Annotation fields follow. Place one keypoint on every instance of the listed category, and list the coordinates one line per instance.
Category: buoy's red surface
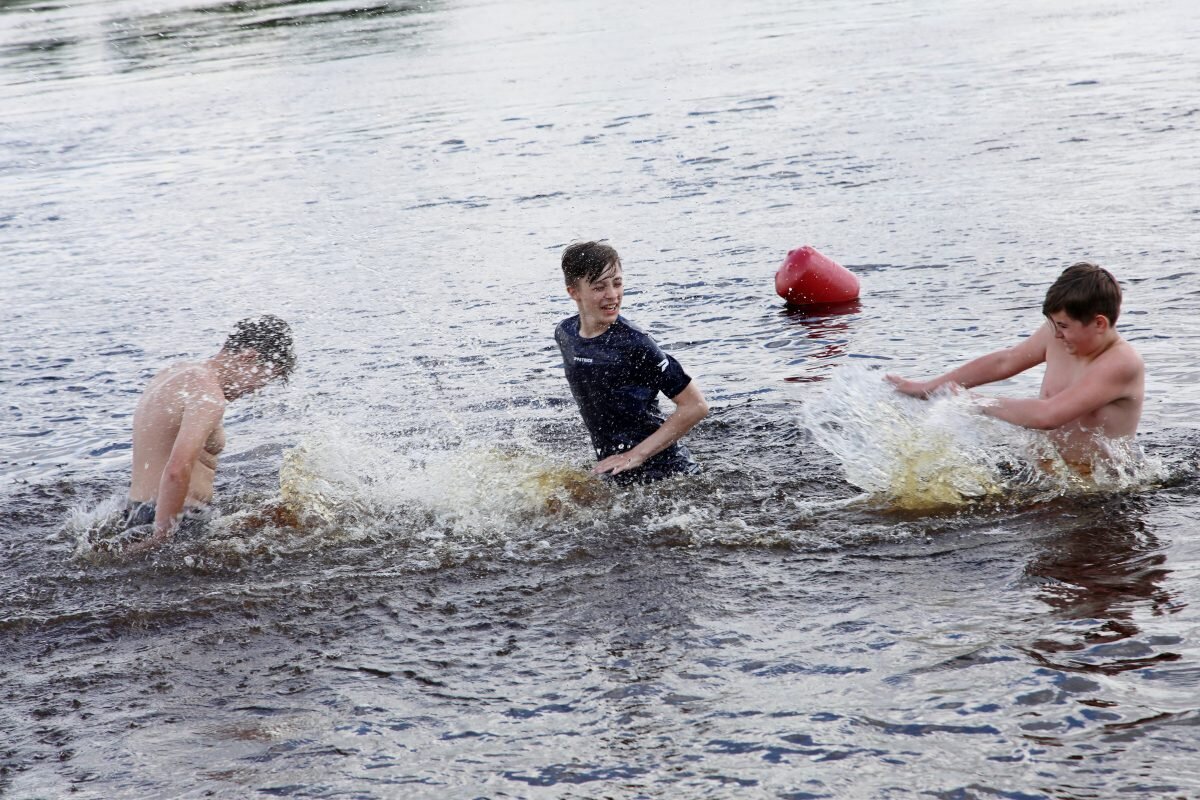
(807, 277)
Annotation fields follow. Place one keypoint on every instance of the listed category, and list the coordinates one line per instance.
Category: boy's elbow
(177, 473)
(1045, 419)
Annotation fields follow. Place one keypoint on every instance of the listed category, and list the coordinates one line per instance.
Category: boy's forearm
(976, 372)
(1028, 413)
(671, 431)
(979, 371)
(172, 495)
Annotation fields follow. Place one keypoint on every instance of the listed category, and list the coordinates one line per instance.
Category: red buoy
(806, 277)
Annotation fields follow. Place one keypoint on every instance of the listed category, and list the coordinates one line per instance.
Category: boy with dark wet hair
(177, 430)
(271, 340)
(616, 372)
(1094, 383)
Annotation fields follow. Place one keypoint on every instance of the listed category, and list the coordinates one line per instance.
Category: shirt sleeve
(560, 339)
(660, 370)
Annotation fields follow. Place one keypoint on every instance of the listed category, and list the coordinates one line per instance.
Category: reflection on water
(1108, 654)
(46, 56)
(241, 30)
(828, 331)
(58, 46)
(1101, 575)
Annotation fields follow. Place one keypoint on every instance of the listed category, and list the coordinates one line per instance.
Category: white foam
(340, 488)
(85, 519)
(469, 489)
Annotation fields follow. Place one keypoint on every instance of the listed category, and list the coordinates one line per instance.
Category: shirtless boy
(1094, 382)
(177, 431)
(616, 372)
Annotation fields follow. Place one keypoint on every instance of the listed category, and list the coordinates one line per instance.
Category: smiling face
(599, 301)
(1079, 338)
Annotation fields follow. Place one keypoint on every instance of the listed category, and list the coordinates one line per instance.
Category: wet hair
(1083, 291)
(587, 260)
(269, 337)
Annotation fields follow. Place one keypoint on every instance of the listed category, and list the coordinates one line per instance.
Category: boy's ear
(247, 357)
(573, 291)
(1102, 324)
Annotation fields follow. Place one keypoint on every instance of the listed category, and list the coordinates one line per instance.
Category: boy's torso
(1115, 419)
(604, 373)
(156, 424)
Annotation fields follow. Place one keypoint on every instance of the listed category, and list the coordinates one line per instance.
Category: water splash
(470, 489)
(93, 527)
(342, 489)
(441, 506)
(915, 454)
(429, 503)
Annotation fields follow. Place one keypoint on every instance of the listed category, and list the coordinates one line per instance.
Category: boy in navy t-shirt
(616, 372)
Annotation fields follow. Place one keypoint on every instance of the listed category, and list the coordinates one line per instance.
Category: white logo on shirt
(584, 360)
(662, 365)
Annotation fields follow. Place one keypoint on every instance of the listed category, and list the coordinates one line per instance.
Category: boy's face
(599, 301)
(250, 374)
(1080, 338)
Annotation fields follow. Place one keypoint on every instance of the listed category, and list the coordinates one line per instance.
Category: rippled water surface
(411, 588)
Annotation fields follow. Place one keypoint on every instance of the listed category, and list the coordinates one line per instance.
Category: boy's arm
(1104, 382)
(995, 366)
(200, 419)
(690, 408)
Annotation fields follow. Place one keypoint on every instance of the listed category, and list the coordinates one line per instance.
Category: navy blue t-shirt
(615, 378)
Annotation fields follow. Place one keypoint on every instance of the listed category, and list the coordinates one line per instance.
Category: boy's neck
(589, 329)
(1110, 339)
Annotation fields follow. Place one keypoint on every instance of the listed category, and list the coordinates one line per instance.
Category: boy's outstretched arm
(995, 366)
(1104, 383)
(690, 408)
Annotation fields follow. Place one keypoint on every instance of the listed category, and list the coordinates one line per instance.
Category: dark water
(461, 616)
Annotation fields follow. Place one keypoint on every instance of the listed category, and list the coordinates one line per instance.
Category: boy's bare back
(169, 396)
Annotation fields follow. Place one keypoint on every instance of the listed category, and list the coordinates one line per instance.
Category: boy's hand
(905, 386)
(618, 463)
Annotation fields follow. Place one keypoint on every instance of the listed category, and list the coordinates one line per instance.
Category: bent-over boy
(177, 430)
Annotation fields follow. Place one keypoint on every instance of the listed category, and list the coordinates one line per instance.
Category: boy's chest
(593, 361)
(1063, 371)
(598, 372)
(606, 375)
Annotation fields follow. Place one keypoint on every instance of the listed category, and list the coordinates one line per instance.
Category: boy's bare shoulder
(1123, 362)
(1125, 352)
(1040, 340)
(189, 382)
(1128, 354)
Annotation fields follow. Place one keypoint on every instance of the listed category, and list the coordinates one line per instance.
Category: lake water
(862, 596)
